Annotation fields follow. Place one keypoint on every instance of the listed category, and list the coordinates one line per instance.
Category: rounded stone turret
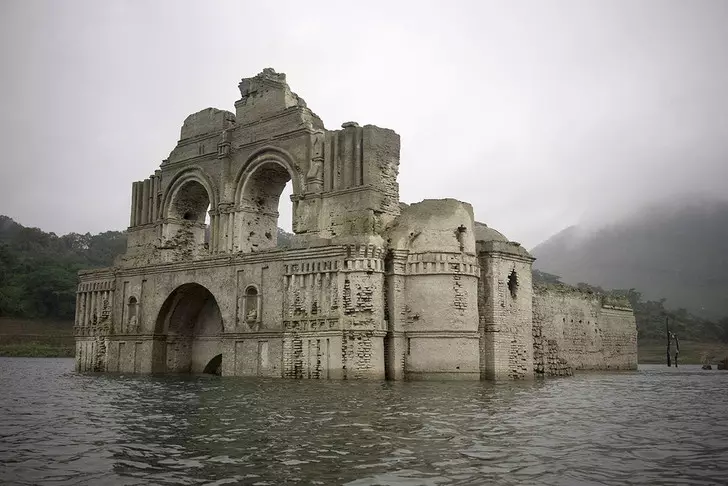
(436, 272)
(485, 233)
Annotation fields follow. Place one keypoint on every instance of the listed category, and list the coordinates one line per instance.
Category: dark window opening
(513, 283)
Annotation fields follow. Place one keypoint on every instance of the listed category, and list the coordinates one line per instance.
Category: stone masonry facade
(369, 288)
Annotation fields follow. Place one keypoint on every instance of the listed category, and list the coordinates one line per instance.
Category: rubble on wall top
(606, 297)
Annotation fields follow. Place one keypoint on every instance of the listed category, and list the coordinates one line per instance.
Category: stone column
(216, 227)
(155, 191)
(78, 307)
(90, 310)
(84, 312)
(230, 230)
(107, 299)
(213, 232)
(99, 305)
(145, 201)
(132, 218)
(347, 159)
(138, 212)
(335, 162)
(395, 266)
(357, 158)
(150, 202)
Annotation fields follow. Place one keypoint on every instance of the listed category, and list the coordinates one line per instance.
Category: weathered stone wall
(504, 301)
(579, 330)
(433, 288)
(309, 313)
(234, 168)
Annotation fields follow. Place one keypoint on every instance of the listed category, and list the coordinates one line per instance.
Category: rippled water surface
(657, 425)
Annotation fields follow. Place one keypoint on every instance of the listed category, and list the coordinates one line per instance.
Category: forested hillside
(38, 269)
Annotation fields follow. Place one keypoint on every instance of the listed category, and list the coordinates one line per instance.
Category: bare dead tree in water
(677, 347)
(670, 338)
(667, 331)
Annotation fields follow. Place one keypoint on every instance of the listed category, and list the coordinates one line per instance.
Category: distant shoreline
(36, 338)
(35, 350)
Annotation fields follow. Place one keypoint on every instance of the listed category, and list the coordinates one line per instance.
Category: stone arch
(184, 209)
(187, 179)
(214, 366)
(264, 156)
(258, 188)
(191, 320)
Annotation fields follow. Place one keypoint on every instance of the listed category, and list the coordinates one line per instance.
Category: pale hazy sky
(541, 114)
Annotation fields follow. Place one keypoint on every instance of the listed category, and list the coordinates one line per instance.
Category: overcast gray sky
(541, 114)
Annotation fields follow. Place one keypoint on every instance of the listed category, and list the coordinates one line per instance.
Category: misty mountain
(676, 252)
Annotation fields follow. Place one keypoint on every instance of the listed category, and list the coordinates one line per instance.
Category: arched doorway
(191, 320)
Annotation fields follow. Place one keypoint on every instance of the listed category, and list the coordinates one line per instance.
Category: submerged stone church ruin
(369, 288)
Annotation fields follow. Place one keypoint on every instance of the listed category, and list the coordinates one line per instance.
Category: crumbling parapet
(581, 329)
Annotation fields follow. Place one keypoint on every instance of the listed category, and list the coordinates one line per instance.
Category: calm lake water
(657, 425)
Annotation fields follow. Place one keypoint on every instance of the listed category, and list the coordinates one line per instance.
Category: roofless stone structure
(371, 288)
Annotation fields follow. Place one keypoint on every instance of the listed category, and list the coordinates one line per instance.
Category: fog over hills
(675, 251)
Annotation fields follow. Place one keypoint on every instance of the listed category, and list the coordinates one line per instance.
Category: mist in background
(540, 114)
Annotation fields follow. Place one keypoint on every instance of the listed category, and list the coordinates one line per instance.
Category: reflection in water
(657, 425)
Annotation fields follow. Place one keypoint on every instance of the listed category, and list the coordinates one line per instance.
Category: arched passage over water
(214, 366)
(191, 320)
